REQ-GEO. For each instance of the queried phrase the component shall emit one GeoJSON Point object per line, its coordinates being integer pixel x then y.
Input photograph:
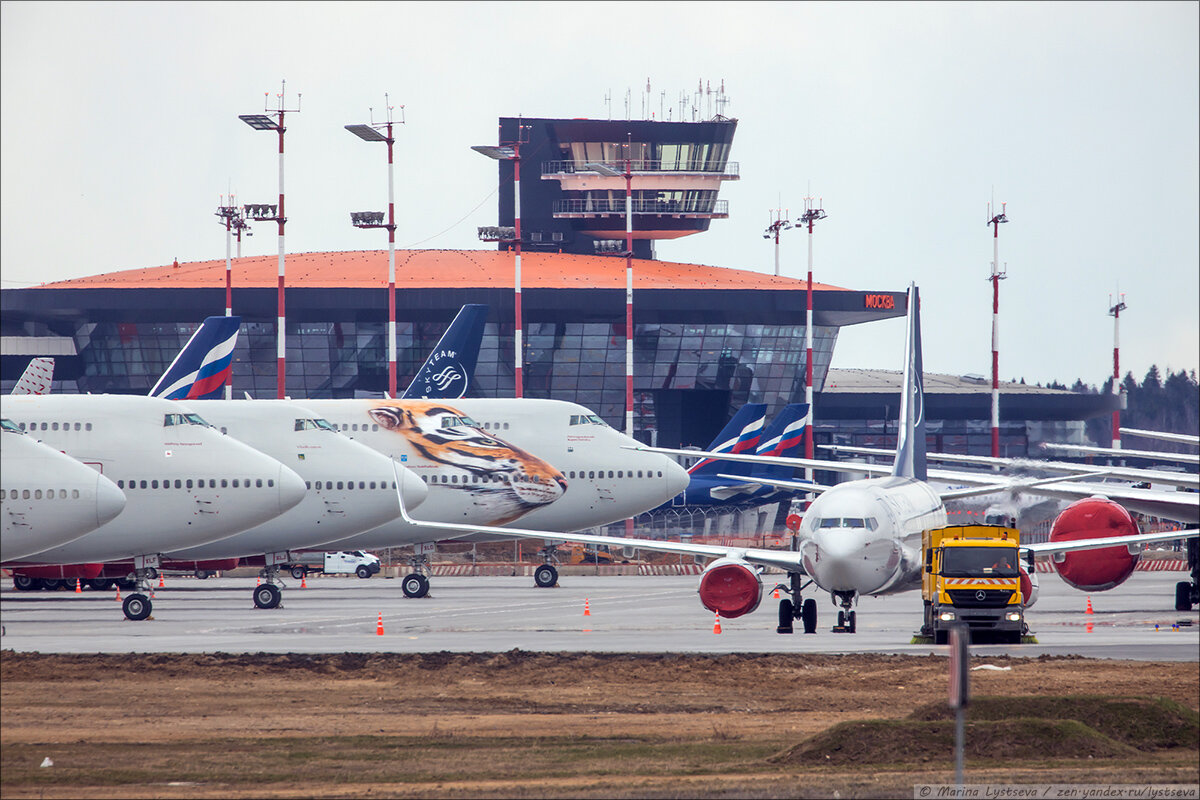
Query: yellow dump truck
{"type": "Point", "coordinates": [972, 577]}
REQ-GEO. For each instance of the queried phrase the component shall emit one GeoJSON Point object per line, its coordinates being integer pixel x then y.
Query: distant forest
{"type": "Point", "coordinates": [1171, 405]}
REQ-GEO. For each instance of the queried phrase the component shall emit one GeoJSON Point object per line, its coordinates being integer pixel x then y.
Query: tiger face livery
{"type": "Point", "coordinates": [506, 480]}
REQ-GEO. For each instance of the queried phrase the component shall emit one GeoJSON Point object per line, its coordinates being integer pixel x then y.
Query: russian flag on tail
{"type": "Point", "coordinates": [202, 368]}
{"type": "Point", "coordinates": [740, 435]}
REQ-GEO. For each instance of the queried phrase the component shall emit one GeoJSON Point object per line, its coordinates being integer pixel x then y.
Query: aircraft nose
{"type": "Point", "coordinates": [677, 477]}
{"type": "Point", "coordinates": [110, 501]}
{"type": "Point", "coordinates": [291, 488]}
{"type": "Point", "coordinates": [413, 490]}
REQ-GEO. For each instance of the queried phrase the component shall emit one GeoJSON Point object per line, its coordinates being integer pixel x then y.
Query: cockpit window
{"type": "Point", "coordinates": [457, 422]}
{"type": "Point", "coordinates": [587, 419]}
{"type": "Point", "coordinates": [184, 419]}
{"type": "Point", "coordinates": [853, 523]}
{"type": "Point", "coordinates": [313, 424]}
{"type": "Point", "coordinates": [10, 426]}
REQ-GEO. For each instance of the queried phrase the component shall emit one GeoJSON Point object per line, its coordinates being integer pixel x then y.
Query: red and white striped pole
{"type": "Point", "coordinates": [230, 211]}
{"type": "Point", "coordinates": [811, 215]}
{"type": "Point", "coordinates": [628, 294]}
{"type": "Point", "coordinates": [281, 332]}
{"type": "Point", "coordinates": [518, 346]}
{"type": "Point", "coordinates": [391, 330]}
{"type": "Point", "coordinates": [995, 278]}
{"type": "Point", "coordinates": [1115, 311]}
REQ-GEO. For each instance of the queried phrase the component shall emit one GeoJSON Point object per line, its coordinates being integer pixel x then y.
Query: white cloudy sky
{"type": "Point", "coordinates": [120, 133]}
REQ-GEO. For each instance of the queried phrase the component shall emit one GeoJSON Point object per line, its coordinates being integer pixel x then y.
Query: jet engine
{"type": "Point", "coordinates": [1029, 587]}
{"type": "Point", "coordinates": [1102, 568]}
{"type": "Point", "coordinates": [731, 587]}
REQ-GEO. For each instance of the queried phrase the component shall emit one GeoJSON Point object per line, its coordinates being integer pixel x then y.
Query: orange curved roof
{"type": "Point", "coordinates": [430, 269]}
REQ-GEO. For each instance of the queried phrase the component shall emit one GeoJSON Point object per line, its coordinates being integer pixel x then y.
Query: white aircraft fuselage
{"type": "Point", "coordinates": [47, 497]}
{"type": "Point", "coordinates": [185, 483]}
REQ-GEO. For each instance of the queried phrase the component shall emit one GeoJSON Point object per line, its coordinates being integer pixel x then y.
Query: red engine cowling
{"type": "Point", "coordinates": [730, 587]}
{"type": "Point", "coordinates": [1029, 587]}
{"type": "Point", "coordinates": [1102, 568]}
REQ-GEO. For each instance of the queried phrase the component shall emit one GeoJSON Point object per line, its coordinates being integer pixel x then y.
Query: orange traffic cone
{"type": "Point", "coordinates": [717, 623]}
{"type": "Point", "coordinates": [118, 598]}
{"type": "Point", "coordinates": [1089, 627]}
{"type": "Point", "coordinates": [379, 625]}
{"type": "Point", "coordinates": [161, 585]}
{"type": "Point", "coordinates": [258, 581]}
{"type": "Point", "coordinates": [78, 588]}
{"type": "Point", "coordinates": [775, 596]}
{"type": "Point", "coordinates": [587, 611]}
{"type": "Point", "coordinates": [303, 583]}
{"type": "Point", "coordinates": [1089, 606]}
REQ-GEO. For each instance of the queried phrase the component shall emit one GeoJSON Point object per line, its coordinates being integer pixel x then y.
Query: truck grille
{"type": "Point", "coordinates": [992, 598]}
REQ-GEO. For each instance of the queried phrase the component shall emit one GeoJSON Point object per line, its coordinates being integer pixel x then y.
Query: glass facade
{"type": "Point", "coordinates": [579, 362]}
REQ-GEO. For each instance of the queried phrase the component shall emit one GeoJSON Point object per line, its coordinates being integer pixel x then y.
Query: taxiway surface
{"type": "Point", "coordinates": [627, 614]}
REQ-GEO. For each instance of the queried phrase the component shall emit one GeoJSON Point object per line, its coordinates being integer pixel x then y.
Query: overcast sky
{"type": "Point", "coordinates": [121, 132]}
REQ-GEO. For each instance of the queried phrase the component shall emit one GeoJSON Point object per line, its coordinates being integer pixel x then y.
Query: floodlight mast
{"type": "Point", "coordinates": [263, 122]}
{"type": "Point", "coordinates": [996, 276]}
{"type": "Point", "coordinates": [810, 216]}
{"type": "Point", "coordinates": [778, 223]}
{"type": "Point", "coordinates": [370, 133]}
{"type": "Point", "coordinates": [230, 216]}
{"type": "Point", "coordinates": [511, 151]}
{"type": "Point", "coordinates": [1115, 312]}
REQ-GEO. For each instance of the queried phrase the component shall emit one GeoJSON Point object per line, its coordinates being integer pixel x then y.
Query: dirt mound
{"type": "Point", "coordinates": [910, 741]}
{"type": "Point", "coordinates": [1143, 722]}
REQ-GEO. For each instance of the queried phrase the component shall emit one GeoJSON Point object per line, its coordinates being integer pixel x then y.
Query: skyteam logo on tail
{"type": "Point", "coordinates": [444, 376]}
{"type": "Point", "coordinates": [203, 367]}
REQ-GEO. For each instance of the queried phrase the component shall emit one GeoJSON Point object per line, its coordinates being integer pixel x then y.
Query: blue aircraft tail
{"type": "Point", "coordinates": [741, 435]}
{"type": "Point", "coordinates": [783, 437]}
{"type": "Point", "coordinates": [450, 369]}
{"type": "Point", "coordinates": [910, 444]}
{"type": "Point", "coordinates": [202, 368]}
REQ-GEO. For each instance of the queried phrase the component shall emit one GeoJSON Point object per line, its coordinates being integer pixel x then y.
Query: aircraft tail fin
{"type": "Point", "coordinates": [204, 365]}
{"type": "Point", "coordinates": [450, 368]}
{"type": "Point", "coordinates": [741, 434]}
{"type": "Point", "coordinates": [783, 437]}
{"type": "Point", "coordinates": [36, 377]}
{"type": "Point", "coordinates": [910, 444]}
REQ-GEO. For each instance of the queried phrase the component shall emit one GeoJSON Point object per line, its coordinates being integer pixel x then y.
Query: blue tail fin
{"type": "Point", "coordinates": [741, 435]}
{"type": "Point", "coordinates": [783, 437]}
{"type": "Point", "coordinates": [910, 444]}
{"type": "Point", "coordinates": [203, 366]}
{"type": "Point", "coordinates": [450, 369]}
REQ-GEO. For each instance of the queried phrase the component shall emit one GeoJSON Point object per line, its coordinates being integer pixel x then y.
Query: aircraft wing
{"type": "Point", "coordinates": [802, 486]}
{"type": "Point", "coordinates": [1189, 480]}
{"type": "Point", "coordinates": [1156, 455]}
{"type": "Point", "coordinates": [786, 461]}
{"type": "Point", "coordinates": [1177, 438]}
{"type": "Point", "coordinates": [1179, 506]}
{"type": "Point", "coordinates": [1050, 548]}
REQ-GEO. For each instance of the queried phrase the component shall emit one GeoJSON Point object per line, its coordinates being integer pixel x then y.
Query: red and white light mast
{"type": "Point", "coordinates": [996, 276]}
{"type": "Point", "coordinates": [511, 152]}
{"type": "Point", "coordinates": [231, 217]}
{"type": "Point", "coordinates": [1115, 312]}
{"type": "Point", "coordinates": [810, 216]}
{"type": "Point", "coordinates": [263, 122]}
{"type": "Point", "coordinates": [778, 223]}
{"type": "Point", "coordinates": [374, 219]}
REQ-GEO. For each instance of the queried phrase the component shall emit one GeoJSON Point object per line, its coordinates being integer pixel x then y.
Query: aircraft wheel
{"type": "Point", "coordinates": [24, 583]}
{"type": "Point", "coordinates": [841, 619]}
{"type": "Point", "coordinates": [545, 576]}
{"type": "Point", "coordinates": [267, 595]}
{"type": "Point", "coordinates": [1183, 596]}
{"type": "Point", "coordinates": [299, 572]}
{"type": "Point", "coordinates": [136, 607]}
{"type": "Point", "coordinates": [850, 620]}
{"type": "Point", "coordinates": [151, 573]}
{"type": "Point", "coordinates": [808, 613]}
{"type": "Point", "coordinates": [363, 571]}
{"type": "Point", "coordinates": [415, 585]}
{"type": "Point", "coordinates": [786, 614]}
{"type": "Point", "coordinates": [127, 584]}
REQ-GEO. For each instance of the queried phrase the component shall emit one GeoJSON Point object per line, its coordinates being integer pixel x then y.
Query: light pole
{"type": "Point", "coordinates": [231, 217]}
{"type": "Point", "coordinates": [995, 278]}
{"type": "Point", "coordinates": [263, 122]}
{"type": "Point", "coordinates": [778, 223]}
{"type": "Point", "coordinates": [512, 152]}
{"type": "Point", "coordinates": [1115, 312]}
{"type": "Point", "coordinates": [810, 216]}
{"type": "Point", "coordinates": [367, 219]}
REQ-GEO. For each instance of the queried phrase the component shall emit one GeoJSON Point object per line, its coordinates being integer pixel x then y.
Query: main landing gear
{"type": "Point", "coordinates": [846, 617]}
{"type": "Point", "coordinates": [793, 609]}
{"type": "Point", "coordinates": [417, 583]}
{"type": "Point", "coordinates": [1187, 593]}
{"type": "Point", "coordinates": [546, 576]}
{"type": "Point", "coordinates": [269, 594]}
{"type": "Point", "coordinates": [137, 606]}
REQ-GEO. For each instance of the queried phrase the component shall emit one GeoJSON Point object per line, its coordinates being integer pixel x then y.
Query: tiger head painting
{"type": "Point", "coordinates": [508, 481]}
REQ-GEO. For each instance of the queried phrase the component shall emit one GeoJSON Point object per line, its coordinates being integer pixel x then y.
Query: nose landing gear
{"type": "Point", "coordinates": [846, 618]}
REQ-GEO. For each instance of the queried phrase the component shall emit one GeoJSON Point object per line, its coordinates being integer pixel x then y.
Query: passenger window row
{"type": "Point", "coordinates": [54, 426]}
{"type": "Point", "coordinates": [199, 483]}
{"type": "Point", "coordinates": [37, 494]}
{"type": "Point", "coordinates": [617, 474]}
{"type": "Point", "coordinates": [349, 485]}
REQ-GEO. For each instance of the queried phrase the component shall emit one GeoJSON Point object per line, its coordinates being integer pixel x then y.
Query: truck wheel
{"type": "Point", "coordinates": [939, 637]}
{"type": "Point", "coordinates": [785, 616]}
{"type": "Point", "coordinates": [299, 572]}
{"type": "Point", "coordinates": [136, 607]}
{"type": "Point", "coordinates": [100, 584]}
{"type": "Point", "coordinates": [545, 576]}
{"type": "Point", "coordinates": [24, 583]}
{"type": "Point", "coordinates": [1183, 596]}
{"type": "Point", "coordinates": [267, 595]}
{"type": "Point", "coordinates": [415, 585]}
{"type": "Point", "coordinates": [363, 571]}
{"type": "Point", "coordinates": [808, 614]}
{"type": "Point", "coordinates": [51, 584]}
